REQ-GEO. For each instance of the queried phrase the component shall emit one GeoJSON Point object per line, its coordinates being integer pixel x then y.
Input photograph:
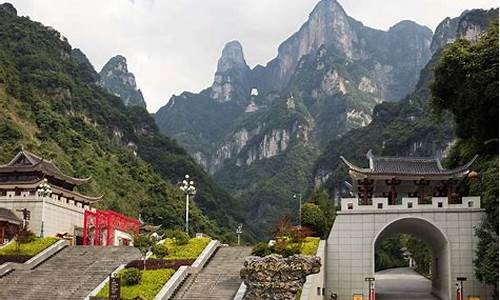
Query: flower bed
{"type": "Point", "coordinates": [159, 263]}
{"type": "Point", "coordinates": [151, 283]}
{"type": "Point", "coordinates": [27, 250]}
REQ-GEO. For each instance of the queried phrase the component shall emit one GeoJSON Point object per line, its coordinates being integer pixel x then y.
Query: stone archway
{"type": "Point", "coordinates": [434, 237]}
{"type": "Point", "coordinates": [449, 228]}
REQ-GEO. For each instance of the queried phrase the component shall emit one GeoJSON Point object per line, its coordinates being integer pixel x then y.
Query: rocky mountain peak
{"type": "Point", "coordinates": [232, 57]}
{"type": "Point", "coordinates": [233, 75]}
{"type": "Point", "coordinates": [471, 24]}
{"type": "Point", "coordinates": [117, 79]}
{"type": "Point", "coordinates": [8, 8]}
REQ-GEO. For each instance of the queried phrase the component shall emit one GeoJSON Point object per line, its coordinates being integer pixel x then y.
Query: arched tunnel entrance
{"type": "Point", "coordinates": [437, 241]}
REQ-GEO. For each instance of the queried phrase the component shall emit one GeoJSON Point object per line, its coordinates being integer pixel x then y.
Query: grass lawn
{"type": "Point", "coordinates": [29, 249]}
{"type": "Point", "coordinates": [310, 246]}
{"type": "Point", "coordinates": [189, 251]}
{"type": "Point", "coordinates": [151, 283]}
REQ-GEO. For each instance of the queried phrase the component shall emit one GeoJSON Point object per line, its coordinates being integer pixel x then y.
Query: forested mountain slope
{"type": "Point", "coordinates": [51, 105]}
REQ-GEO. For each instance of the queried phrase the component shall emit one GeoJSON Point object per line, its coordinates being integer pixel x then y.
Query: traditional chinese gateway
{"type": "Point", "coordinates": [405, 195]}
{"type": "Point", "coordinates": [34, 190]}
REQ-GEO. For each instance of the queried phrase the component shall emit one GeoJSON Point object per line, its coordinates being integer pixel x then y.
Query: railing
{"type": "Point", "coordinates": [351, 204]}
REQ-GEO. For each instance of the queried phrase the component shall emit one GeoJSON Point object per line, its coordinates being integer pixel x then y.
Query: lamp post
{"type": "Point", "coordinates": [44, 190]}
{"type": "Point", "coordinates": [188, 188]}
{"type": "Point", "coordinates": [371, 288]}
{"type": "Point", "coordinates": [239, 230]}
{"type": "Point", "coordinates": [460, 287]}
{"type": "Point", "coordinates": [300, 207]}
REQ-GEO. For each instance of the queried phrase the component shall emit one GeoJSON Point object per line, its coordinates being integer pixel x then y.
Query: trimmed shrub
{"type": "Point", "coordinates": [261, 249]}
{"type": "Point", "coordinates": [131, 276]}
{"type": "Point", "coordinates": [159, 250]}
{"type": "Point", "coordinates": [181, 238]}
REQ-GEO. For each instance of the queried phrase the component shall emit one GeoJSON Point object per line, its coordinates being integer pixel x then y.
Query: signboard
{"type": "Point", "coordinates": [114, 287]}
{"type": "Point", "coordinates": [357, 297]}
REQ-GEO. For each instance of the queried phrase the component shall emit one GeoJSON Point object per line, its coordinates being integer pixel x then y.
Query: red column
{"type": "Point", "coordinates": [85, 228]}
{"type": "Point", "coordinates": [108, 231]}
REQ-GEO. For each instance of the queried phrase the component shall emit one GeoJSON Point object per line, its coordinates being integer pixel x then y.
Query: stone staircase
{"type": "Point", "coordinates": [220, 279]}
{"type": "Point", "coordinates": [70, 274]}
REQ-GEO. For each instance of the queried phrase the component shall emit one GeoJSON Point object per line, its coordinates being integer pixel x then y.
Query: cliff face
{"type": "Point", "coordinates": [471, 24]}
{"type": "Point", "coordinates": [268, 124]}
{"type": "Point", "coordinates": [406, 128]}
{"type": "Point", "coordinates": [394, 57]}
{"type": "Point", "coordinates": [116, 78]}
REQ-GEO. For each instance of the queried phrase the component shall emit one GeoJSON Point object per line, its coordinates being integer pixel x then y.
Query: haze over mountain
{"type": "Point", "coordinates": [162, 42]}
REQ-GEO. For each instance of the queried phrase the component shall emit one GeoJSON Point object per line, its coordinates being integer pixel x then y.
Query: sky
{"type": "Point", "coordinates": [173, 46]}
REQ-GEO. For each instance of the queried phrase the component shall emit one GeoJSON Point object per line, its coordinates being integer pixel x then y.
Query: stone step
{"type": "Point", "coordinates": [219, 279]}
{"type": "Point", "coordinates": [71, 274]}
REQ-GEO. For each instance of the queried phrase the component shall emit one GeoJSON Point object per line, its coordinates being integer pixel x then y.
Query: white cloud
{"type": "Point", "coordinates": [173, 45]}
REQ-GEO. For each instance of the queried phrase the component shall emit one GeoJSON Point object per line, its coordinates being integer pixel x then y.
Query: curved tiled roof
{"type": "Point", "coordinates": [36, 163]}
{"type": "Point", "coordinates": [409, 166]}
{"type": "Point", "coordinates": [8, 216]}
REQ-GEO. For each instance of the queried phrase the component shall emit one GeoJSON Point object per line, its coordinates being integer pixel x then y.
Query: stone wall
{"type": "Point", "coordinates": [277, 278]}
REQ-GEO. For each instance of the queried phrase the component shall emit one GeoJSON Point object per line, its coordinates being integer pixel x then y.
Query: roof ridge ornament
{"type": "Point", "coordinates": [370, 156]}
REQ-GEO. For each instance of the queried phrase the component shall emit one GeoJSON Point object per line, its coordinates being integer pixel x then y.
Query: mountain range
{"type": "Point", "coordinates": [270, 131]}
{"type": "Point", "coordinates": [52, 103]}
{"type": "Point", "coordinates": [253, 138]}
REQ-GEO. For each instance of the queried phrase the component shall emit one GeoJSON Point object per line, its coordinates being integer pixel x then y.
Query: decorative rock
{"type": "Point", "coordinates": [276, 278]}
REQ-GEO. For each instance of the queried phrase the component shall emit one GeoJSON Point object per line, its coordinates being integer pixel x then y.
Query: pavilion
{"type": "Point", "coordinates": [398, 177]}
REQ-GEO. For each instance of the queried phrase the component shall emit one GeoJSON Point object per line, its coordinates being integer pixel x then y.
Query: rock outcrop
{"type": "Point", "coordinates": [471, 24]}
{"type": "Point", "coordinates": [232, 79]}
{"type": "Point", "coordinates": [276, 278]}
{"type": "Point", "coordinates": [115, 77]}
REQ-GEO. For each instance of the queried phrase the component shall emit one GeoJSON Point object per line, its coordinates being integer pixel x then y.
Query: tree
{"type": "Point", "coordinates": [144, 243]}
{"type": "Point", "coordinates": [466, 85]}
{"type": "Point", "coordinates": [314, 217]}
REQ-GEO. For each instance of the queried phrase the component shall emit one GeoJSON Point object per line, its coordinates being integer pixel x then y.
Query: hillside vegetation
{"type": "Point", "coordinates": [50, 104]}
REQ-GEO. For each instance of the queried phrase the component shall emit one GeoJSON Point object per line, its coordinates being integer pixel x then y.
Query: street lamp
{"type": "Point", "coordinates": [188, 188]}
{"type": "Point", "coordinates": [239, 230]}
{"type": "Point", "coordinates": [371, 288]}
{"type": "Point", "coordinates": [300, 207]}
{"type": "Point", "coordinates": [44, 190]}
{"type": "Point", "coordinates": [460, 287]}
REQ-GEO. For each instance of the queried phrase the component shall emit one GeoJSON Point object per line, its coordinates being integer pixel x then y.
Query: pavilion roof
{"type": "Point", "coordinates": [405, 167]}
{"type": "Point", "coordinates": [8, 216]}
{"type": "Point", "coordinates": [25, 161]}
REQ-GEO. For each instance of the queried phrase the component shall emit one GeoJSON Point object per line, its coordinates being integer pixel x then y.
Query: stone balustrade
{"type": "Point", "coordinates": [353, 204]}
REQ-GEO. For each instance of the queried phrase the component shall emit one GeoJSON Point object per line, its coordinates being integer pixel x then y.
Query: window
{"type": "Point", "coordinates": [440, 204]}
{"type": "Point", "coordinates": [410, 204]}
{"type": "Point", "coordinates": [349, 205]}
{"type": "Point", "coordinates": [470, 203]}
{"type": "Point", "coordinates": [380, 205]}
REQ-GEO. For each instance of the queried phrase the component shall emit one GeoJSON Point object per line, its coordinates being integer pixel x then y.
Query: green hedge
{"type": "Point", "coordinates": [29, 249]}
{"type": "Point", "coordinates": [310, 246]}
{"type": "Point", "coordinates": [189, 251]}
{"type": "Point", "coordinates": [151, 283]}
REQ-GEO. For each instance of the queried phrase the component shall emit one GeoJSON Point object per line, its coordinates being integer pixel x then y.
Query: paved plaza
{"type": "Point", "coordinates": [402, 284]}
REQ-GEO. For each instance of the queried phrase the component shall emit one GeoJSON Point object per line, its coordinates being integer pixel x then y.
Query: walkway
{"type": "Point", "coordinates": [220, 279]}
{"type": "Point", "coordinates": [402, 284]}
{"type": "Point", "coordinates": [70, 274]}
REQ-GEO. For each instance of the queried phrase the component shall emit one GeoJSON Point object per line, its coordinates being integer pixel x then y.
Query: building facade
{"type": "Point", "coordinates": [31, 183]}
